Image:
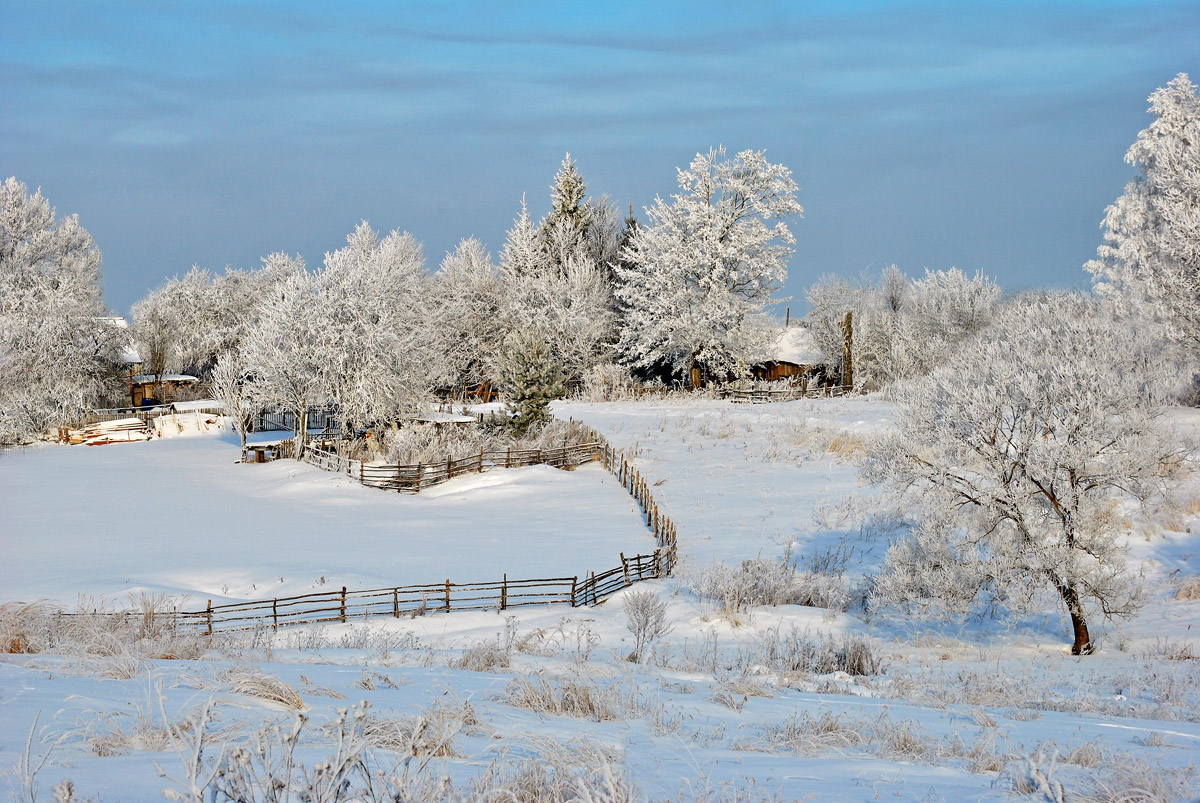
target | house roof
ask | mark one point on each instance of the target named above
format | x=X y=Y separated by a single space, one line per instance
x=795 y=344
x=147 y=379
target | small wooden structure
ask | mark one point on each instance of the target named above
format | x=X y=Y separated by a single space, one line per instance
x=792 y=356
x=147 y=390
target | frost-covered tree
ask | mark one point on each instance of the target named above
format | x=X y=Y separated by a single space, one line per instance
x=284 y=352
x=230 y=384
x=564 y=232
x=902 y=328
x=1012 y=454
x=829 y=299
x=1151 y=257
x=378 y=328
x=940 y=312
x=55 y=344
x=183 y=326
x=469 y=299
x=706 y=264
x=522 y=254
x=531 y=378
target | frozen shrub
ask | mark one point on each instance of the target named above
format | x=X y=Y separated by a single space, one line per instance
x=796 y=653
x=607 y=382
x=759 y=581
x=420 y=443
x=646 y=618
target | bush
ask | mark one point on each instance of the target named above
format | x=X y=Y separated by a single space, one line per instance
x=646 y=618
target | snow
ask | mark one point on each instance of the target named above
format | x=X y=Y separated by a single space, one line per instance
x=199 y=404
x=145 y=379
x=796 y=344
x=183 y=517
x=180 y=516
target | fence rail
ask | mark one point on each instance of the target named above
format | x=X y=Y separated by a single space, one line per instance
x=763 y=395
x=143 y=414
x=413 y=478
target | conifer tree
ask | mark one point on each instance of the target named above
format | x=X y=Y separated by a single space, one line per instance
x=1150 y=261
x=532 y=379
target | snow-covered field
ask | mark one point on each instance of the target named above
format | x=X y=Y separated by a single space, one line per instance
x=732 y=704
x=180 y=516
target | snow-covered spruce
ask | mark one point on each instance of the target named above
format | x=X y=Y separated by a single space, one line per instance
x=1151 y=257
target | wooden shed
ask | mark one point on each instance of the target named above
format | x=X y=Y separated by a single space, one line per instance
x=792 y=355
x=147 y=390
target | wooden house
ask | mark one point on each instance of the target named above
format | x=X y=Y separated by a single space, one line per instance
x=792 y=356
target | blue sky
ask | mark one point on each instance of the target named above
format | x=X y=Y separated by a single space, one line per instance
x=984 y=135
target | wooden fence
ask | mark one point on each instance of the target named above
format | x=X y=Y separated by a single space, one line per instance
x=143 y=414
x=413 y=478
x=446 y=596
x=319 y=417
x=762 y=396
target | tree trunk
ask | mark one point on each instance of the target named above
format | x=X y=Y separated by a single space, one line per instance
x=1083 y=641
x=301 y=430
x=848 y=349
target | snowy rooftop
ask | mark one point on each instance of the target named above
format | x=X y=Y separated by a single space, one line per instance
x=444 y=418
x=795 y=344
x=146 y=379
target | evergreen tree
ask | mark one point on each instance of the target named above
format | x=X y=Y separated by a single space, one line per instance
x=532 y=379
x=522 y=254
x=1150 y=261
x=564 y=232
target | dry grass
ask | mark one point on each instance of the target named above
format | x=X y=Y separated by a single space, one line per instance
x=1189 y=589
x=581 y=698
x=97 y=627
x=429 y=735
x=846 y=445
x=485 y=656
x=25 y=627
x=572 y=771
x=253 y=683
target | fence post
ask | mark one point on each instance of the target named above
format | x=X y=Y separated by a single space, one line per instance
x=396 y=603
x=343 y=603
x=625 y=568
x=480 y=459
x=574 y=582
x=420 y=468
x=508 y=458
x=274 y=614
x=209 y=617
x=447 y=595
x=658 y=563
x=504 y=592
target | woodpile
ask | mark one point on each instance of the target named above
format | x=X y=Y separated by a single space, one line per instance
x=122 y=430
